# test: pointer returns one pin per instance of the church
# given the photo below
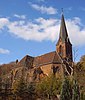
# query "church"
(56, 62)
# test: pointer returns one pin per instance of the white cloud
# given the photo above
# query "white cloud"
(46, 29)
(4, 51)
(42, 29)
(3, 22)
(20, 16)
(44, 9)
(76, 31)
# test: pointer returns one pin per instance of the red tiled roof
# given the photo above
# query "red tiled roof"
(51, 57)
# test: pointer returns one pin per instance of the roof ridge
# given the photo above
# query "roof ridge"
(45, 54)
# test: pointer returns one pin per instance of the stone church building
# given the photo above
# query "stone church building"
(58, 61)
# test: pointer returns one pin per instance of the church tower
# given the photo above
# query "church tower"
(64, 46)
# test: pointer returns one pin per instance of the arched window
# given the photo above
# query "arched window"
(55, 69)
(60, 51)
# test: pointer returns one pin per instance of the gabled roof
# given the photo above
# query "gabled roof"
(44, 59)
(26, 61)
(48, 58)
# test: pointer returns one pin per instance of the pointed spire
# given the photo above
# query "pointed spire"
(63, 30)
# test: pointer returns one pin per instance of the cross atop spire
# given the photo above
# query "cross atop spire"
(62, 10)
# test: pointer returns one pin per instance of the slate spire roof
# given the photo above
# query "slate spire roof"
(63, 31)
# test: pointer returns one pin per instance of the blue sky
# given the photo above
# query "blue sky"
(32, 27)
